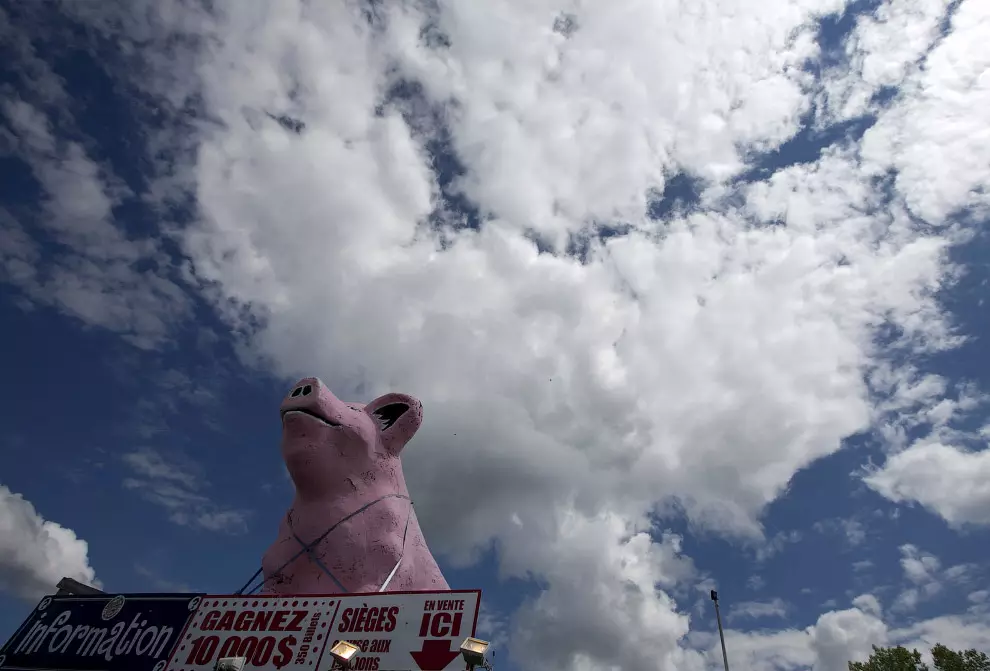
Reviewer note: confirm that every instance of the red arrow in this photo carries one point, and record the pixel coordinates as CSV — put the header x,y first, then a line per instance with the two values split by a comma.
x,y
435,655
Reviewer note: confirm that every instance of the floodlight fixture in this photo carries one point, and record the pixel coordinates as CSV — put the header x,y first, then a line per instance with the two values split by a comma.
x,y
473,650
714,596
230,664
343,652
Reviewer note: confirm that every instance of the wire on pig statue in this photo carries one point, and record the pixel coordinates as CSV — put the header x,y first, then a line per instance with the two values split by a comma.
x,y
351,527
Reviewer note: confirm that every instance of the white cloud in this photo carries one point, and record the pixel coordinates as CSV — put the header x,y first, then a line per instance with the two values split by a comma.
x,y
841,636
755,582
882,50
249,177
640,87
838,637
981,602
691,366
926,578
915,403
493,627
91,271
765,651
776,544
935,137
852,529
962,574
36,553
32,71
563,626
957,632
175,485
757,609
922,571
919,568
828,645
868,604
949,481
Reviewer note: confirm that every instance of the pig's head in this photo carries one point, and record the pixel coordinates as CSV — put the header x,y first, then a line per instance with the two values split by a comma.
x,y
332,448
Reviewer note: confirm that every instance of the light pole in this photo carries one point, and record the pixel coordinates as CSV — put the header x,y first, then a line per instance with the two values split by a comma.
x,y
721,636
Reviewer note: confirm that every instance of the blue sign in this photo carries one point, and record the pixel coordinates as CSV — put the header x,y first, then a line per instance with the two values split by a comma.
x,y
126,632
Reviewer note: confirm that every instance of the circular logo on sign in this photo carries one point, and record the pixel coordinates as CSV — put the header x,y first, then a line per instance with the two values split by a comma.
x,y
194,603
112,608
45,603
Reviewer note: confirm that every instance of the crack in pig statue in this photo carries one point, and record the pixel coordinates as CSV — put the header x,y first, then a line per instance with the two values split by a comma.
x,y
351,527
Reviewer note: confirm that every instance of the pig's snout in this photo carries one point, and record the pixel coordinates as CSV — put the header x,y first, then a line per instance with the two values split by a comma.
x,y
310,397
304,390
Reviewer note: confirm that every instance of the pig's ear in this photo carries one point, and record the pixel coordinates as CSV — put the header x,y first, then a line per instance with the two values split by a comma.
x,y
398,417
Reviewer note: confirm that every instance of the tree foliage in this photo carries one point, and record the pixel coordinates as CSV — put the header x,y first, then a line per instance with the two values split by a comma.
x,y
950,660
900,658
891,659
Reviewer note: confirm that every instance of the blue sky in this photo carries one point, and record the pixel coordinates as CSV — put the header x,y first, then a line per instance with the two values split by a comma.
x,y
712,320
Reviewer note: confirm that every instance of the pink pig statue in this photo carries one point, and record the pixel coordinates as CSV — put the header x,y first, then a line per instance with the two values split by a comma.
x,y
351,527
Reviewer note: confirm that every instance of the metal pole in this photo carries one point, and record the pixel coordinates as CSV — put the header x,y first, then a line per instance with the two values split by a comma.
x,y
718,618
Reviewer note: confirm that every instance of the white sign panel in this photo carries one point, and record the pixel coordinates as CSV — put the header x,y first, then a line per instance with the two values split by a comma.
x,y
396,631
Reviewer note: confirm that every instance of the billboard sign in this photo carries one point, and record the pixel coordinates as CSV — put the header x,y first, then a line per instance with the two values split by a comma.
x,y
126,632
420,631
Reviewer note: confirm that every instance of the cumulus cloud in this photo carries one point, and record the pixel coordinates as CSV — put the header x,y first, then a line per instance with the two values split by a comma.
x,y
954,631
981,602
935,139
828,645
883,49
768,650
951,482
488,298
868,604
840,636
432,225
36,553
918,568
563,625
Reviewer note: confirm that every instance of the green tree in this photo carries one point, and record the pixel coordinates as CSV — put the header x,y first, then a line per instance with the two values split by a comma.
x,y
968,660
900,658
891,659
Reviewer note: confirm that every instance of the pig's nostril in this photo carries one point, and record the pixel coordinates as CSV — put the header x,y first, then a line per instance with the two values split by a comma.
x,y
296,391
307,390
